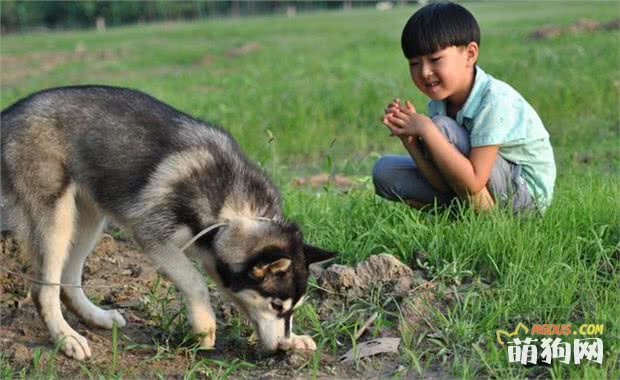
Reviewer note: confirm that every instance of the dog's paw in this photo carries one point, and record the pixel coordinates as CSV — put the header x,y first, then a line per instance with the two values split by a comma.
x,y
115,316
207,340
105,319
74,345
297,342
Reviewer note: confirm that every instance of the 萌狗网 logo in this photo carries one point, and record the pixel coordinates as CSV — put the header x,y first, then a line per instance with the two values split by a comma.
x,y
550,342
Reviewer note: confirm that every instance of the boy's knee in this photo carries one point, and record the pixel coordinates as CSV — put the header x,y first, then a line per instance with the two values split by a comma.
x,y
454,133
380,172
444,124
382,177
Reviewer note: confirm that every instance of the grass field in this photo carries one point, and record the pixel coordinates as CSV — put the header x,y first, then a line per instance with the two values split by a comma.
x,y
304,95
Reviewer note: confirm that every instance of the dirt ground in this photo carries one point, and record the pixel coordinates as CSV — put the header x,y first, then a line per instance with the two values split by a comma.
x,y
118,276
579,26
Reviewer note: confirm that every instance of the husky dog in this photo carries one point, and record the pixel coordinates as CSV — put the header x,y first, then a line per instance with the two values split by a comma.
x,y
73,157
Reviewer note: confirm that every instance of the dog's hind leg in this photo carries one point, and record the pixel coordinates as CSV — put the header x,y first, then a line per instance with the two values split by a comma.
x,y
51,240
180,270
90,223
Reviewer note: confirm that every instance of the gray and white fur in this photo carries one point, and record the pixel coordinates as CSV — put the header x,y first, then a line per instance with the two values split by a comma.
x,y
74,157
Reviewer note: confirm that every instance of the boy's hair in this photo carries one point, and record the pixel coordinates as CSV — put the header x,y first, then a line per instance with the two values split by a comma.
x,y
437,26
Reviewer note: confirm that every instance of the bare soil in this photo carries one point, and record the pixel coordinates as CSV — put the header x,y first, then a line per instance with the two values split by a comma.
x,y
118,276
16,67
579,26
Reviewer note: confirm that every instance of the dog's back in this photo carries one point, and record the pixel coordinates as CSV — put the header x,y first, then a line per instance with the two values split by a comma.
x,y
114,143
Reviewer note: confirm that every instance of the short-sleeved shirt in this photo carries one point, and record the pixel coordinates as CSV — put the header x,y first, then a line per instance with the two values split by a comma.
x,y
496,114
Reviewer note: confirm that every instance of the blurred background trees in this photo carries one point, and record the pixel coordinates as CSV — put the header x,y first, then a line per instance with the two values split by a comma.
x,y
21,15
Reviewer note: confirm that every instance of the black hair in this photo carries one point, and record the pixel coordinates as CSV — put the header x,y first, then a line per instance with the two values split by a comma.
x,y
437,26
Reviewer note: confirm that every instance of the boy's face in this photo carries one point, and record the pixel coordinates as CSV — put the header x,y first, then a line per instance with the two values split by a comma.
x,y
446,73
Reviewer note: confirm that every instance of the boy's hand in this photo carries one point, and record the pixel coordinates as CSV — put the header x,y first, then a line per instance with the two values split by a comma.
x,y
392,107
389,111
405,122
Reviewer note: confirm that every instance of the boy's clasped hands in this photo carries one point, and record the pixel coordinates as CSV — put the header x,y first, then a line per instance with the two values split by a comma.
x,y
405,122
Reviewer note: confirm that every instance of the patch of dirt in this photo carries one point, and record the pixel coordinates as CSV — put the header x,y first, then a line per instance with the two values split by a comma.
x,y
206,59
583,25
244,49
322,179
16,67
117,275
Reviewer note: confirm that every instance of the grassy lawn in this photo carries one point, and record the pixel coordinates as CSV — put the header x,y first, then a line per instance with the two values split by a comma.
x,y
304,95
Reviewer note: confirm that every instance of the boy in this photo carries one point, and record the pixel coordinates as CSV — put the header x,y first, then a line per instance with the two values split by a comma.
x,y
482,142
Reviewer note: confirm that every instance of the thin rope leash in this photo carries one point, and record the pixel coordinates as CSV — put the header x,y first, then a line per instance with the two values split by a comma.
x,y
39,282
201,234
208,229
45,283
185,246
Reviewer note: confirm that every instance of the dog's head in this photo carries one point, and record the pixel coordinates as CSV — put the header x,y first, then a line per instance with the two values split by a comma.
x,y
263,266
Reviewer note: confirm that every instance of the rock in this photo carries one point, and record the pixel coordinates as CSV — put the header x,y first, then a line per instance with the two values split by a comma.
x,y
20,354
382,268
338,278
316,270
344,283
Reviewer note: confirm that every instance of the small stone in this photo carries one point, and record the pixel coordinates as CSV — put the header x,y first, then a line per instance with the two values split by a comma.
x,y
316,270
20,353
339,277
135,269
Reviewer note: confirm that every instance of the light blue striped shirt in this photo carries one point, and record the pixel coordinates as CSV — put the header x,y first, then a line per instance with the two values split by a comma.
x,y
496,114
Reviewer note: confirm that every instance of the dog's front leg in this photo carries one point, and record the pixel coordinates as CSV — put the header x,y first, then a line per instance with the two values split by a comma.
x,y
296,342
275,335
180,270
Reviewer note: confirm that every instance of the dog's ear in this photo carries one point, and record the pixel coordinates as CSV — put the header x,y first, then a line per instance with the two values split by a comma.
x,y
317,255
260,271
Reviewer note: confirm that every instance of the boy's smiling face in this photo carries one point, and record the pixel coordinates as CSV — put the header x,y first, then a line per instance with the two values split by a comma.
x,y
446,74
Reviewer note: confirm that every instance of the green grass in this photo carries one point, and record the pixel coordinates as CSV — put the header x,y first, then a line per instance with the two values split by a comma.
x,y
309,99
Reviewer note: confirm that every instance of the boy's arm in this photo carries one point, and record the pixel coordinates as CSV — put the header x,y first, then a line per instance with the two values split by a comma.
x,y
425,165
465,175
411,143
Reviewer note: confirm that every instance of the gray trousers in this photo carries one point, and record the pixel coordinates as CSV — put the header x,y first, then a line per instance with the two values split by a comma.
x,y
396,177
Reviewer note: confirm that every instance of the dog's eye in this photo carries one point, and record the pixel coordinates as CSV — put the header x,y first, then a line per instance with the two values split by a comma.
x,y
277,305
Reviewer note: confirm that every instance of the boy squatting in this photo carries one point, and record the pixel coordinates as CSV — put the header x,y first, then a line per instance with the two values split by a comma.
x,y
481,141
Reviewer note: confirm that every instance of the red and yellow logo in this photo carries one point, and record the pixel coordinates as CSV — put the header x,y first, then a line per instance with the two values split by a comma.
x,y
548,329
